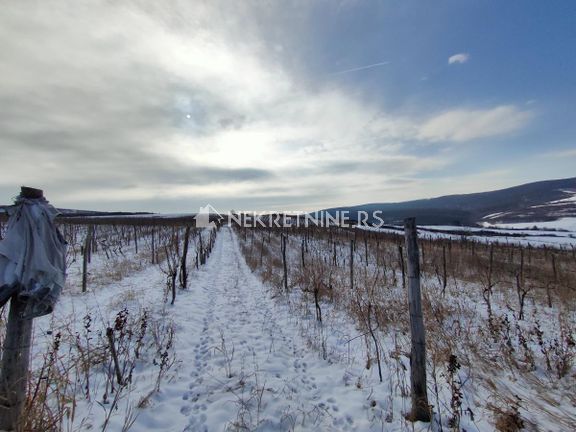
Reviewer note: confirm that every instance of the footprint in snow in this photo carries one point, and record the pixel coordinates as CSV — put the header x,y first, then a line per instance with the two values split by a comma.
x,y
186,410
197,424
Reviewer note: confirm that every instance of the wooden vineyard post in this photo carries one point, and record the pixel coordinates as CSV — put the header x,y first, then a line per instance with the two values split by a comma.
x,y
444,272
555,280
15,360
86,257
334,262
202,255
420,409
16,348
401,260
366,250
284,264
352,264
183,268
153,247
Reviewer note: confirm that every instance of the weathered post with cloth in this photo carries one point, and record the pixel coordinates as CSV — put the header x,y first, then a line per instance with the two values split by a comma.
x,y
32,274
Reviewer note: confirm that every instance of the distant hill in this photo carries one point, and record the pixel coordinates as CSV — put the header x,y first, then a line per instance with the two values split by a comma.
x,y
83,213
533,202
542,201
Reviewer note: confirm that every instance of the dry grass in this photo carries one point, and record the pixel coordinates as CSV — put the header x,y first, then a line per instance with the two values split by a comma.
x,y
79,369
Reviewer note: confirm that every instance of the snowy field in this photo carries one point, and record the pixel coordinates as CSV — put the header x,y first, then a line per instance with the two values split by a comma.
x,y
559,234
490,361
566,224
235,352
243,359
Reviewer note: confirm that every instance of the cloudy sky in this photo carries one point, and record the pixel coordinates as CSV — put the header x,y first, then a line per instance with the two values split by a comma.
x,y
277,104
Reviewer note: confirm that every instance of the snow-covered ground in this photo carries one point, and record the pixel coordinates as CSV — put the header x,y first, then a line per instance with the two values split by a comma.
x,y
518,234
247,358
245,364
505,364
244,360
567,223
122,281
558,234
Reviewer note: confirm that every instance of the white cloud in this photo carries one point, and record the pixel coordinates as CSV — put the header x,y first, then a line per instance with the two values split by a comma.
x,y
459,58
147,99
139,93
468,124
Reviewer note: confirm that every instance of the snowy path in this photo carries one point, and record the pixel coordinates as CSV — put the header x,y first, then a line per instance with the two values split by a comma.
x,y
244,365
